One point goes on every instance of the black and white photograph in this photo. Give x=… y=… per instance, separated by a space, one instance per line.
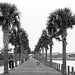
x=37 y=37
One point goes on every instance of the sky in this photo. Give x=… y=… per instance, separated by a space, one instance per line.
x=34 y=15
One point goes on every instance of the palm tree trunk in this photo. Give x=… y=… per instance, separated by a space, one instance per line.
x=51 y=43
x=15 y=52
x=46 y=56
x=42 y=53
x=21 y=54
x=19 y=58
x=51 y=55
x=64 y=54
x=39 y=55
x=5 y=41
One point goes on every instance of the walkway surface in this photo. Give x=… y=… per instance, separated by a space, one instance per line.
x=31 y=68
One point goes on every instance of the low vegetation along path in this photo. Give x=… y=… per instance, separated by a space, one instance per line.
x=31 y=68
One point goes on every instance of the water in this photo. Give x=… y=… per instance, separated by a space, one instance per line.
x=1 y=69
x=68 y=62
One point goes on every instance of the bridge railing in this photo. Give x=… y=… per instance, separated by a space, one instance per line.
x=58 y=67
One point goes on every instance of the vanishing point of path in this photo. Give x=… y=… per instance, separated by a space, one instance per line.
x=31 y=68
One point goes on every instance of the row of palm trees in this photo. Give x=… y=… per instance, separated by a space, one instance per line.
x=12 y=33
x=58 y=23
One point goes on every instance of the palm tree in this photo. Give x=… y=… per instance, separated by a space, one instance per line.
x=23 y=41
x=62 y=20
x=68 y=20
x=14 y=40
x=40 y=44
x=19 y=39
x=45 y=41
x=37 y=49
x=9 y=16
x=51 y=31
x=27 y=49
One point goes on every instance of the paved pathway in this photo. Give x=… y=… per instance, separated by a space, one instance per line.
x=31 y=68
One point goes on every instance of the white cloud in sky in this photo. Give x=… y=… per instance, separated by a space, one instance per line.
x=34 y=15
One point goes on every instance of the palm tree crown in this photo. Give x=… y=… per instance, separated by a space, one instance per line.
x=9 y=15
